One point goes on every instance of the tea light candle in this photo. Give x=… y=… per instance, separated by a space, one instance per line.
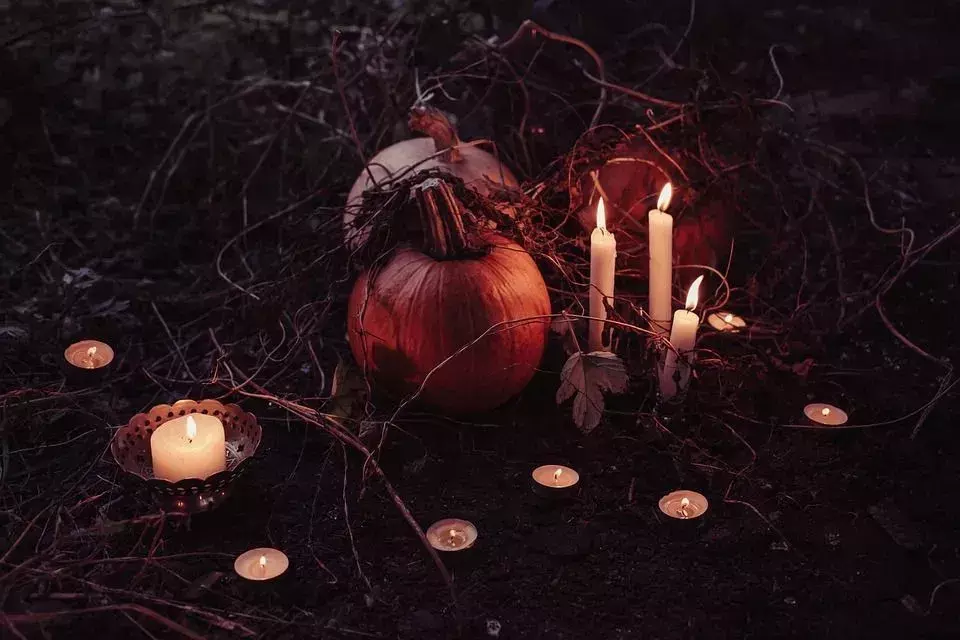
x=683 y=338
x=725 y=321
x=603 y=268
x=684 y=505
x=660 y=239
x=192 y=446
x=261 y=564
x=554 y=480
x=825 y=414
x=452 y=534
x=89 y=354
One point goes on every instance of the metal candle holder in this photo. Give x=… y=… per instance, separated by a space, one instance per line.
x=131 y=450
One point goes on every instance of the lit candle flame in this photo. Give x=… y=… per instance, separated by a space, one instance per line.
x=92 y=351
x=557 y=474
x=665 y=194
x=825 y=411
x=453 y=537
x=191 y=428
x=601 y=216
x=263 y=562
x=684 y=504
x=693 y=295
x=728 y=318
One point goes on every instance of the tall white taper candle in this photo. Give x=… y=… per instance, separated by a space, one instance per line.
x=660 y=239
x=603 y=267
x=683 y=338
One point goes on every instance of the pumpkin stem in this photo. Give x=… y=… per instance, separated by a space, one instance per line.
x=441 y=215
x=432 y=122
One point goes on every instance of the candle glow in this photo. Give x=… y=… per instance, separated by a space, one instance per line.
x=89 y=354
x=726 y=321
x=684 y=505
x=603 y=267
x=660 y=240
x=825 y=414
x=693 y=295
x=261 y=564
x=683 y=338
x=665 y=196
x=193 y=446
x=451 y=534
x=557 y=474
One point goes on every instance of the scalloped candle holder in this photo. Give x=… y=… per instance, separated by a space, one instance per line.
x=131 y=450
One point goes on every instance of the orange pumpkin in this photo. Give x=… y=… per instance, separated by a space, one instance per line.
x=481 y=303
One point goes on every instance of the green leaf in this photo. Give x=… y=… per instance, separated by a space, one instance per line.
x=585 y=378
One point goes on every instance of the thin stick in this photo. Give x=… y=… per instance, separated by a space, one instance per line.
x=150 y=613
x=529 y=26
x=335 y=63
x=176 y=346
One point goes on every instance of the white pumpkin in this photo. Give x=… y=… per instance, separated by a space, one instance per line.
x=479 y=169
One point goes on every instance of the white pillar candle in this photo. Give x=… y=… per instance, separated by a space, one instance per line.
x=683 y=338
x=603 y=267
x=660 y=239
x=193 y=446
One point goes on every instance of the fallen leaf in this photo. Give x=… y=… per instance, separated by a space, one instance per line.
x=348 y=394
x=585 y=378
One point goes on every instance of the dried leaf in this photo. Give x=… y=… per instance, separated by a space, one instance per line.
x=349 y=392
x=585 y=378
x=564 y=327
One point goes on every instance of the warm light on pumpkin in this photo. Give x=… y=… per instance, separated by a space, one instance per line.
x=601 y=216
x=665 y=195
x=467 y=326
x=693 y=295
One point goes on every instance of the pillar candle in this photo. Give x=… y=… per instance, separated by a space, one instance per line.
x=603 y=258
x=189 y=447
x=660 y=238
x=683 y=338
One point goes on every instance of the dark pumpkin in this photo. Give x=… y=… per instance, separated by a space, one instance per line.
x=420 y=308
x=631 y=180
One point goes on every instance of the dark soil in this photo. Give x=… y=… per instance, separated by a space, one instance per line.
x=146 y=146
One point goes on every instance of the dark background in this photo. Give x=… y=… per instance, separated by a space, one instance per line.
x=135 y=143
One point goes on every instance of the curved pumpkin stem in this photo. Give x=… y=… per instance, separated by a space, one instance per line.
x=432 y=122
x=441 y=215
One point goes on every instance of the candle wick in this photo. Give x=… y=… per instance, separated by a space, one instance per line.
x=191 y=429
